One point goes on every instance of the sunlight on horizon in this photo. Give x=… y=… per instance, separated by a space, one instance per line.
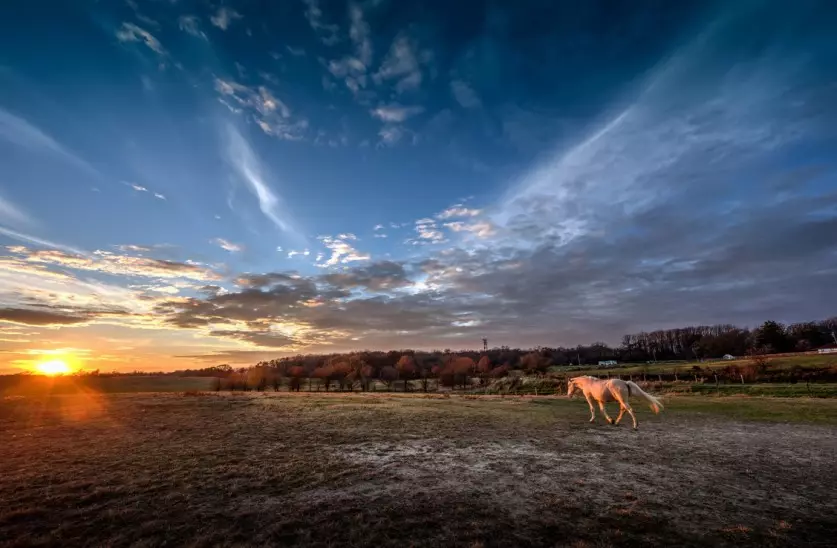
x=54 y=367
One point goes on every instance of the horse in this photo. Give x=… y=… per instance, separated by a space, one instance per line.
x=604 y=391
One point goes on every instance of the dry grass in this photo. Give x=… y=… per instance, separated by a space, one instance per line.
x=393 y=470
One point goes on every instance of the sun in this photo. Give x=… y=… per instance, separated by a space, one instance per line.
x=53 y=367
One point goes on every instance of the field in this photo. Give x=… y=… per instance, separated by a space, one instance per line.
x=351 y=470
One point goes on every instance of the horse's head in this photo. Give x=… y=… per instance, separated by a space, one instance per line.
x=571 y=388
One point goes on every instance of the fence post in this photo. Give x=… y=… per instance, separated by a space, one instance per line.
x=717 y=385
x=742 y=378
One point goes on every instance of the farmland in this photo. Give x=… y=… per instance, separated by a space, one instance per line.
x=356 y=469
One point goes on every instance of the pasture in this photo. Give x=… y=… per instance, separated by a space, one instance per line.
x=426 y=470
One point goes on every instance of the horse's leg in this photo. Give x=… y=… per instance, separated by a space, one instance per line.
x=622 y=405
x=590 y=403
x=604 y=412
x=631 y=413
x=621 y=412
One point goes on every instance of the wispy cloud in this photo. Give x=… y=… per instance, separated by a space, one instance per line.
x=390 y=135
x=298 y=253
x=402 y=64
x=224 y=17
x=359 y=34
x=130 y=32
x=328 y=32
x=465 y=94
x=428 y=232
x=27 y=238
x=159 y=196
x=113 y=263
x=379 y=227
x=246 y=165
x=458 y=211
x=14 y=216
x=138 y=188
x=395 y=112
x=270 y=113
x=341 y=250
x=296 y=52
x=190 y=24
x=22 y=133
x=227 y=245
x=482 y=229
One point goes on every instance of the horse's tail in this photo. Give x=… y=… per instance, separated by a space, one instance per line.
x=633 y=388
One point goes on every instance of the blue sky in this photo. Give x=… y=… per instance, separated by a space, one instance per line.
x=224 y=181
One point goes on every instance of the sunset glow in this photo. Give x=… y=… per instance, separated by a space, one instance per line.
x=54 y=367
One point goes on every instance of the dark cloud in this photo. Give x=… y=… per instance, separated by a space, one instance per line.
x=258 y=338
x=39 y=317
x=381 y=276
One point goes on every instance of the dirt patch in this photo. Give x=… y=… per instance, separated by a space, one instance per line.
x=320 y=471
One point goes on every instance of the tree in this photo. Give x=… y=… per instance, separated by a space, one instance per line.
x=772 y=337
x=388 y=375
x=534 y=362
x=325 y=374
x=462 y=367
x=484 y=368
x=406 y=368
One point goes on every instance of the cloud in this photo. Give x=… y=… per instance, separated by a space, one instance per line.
x=381 y=276
x=457 y=212
x=341 y=251
x=379 y=227
x=296 y=52
x=401 y=64
x=328 y=32
x=482 y=229
x=224 y=17
x=395 y=112
x=137 y=187
x=271 y=114
x=14 y=216
x=464 y=94
x=129 y=32
x=359 y=34
x=21 y=237
x=266 y=339
x=390 y=135
x=241 y=158
x=190 y=25
x=24 y=316
x=295 y=253
x=22 y=133
x=115 y=264
x=159 y=196
x=427 y=232
x=226 y=245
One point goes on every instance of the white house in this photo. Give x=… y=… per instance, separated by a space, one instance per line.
x=607 y=362
x=828 y=349
x=729 y=357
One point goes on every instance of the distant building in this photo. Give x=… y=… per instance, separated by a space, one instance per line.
x=828 y=349
x=729 y=357
x=607 y=362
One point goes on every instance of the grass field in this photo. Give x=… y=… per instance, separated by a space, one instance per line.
x=36 y=385
x=809 y=361
x=351 y=470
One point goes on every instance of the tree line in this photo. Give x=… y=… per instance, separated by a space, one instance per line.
x=403 y=369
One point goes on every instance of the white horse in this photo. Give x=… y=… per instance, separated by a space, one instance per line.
x=604 y=391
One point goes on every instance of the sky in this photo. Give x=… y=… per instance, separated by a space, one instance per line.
x=184 y=184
